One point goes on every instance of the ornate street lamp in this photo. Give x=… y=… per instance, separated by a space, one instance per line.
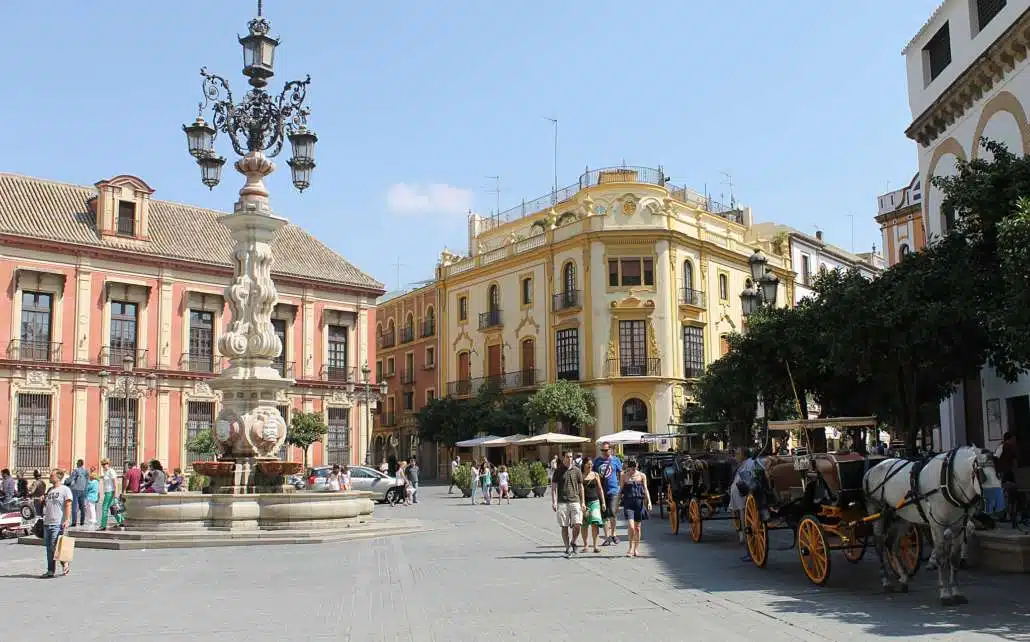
x=763 y=286
x=370 y=398
x=770 y=286
x=249 y=425
x=750 y=299
x=129 y=385
x=757 y=263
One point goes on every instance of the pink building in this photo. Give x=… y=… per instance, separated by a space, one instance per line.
x=113 y=308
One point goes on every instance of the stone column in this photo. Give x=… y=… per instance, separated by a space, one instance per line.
x=249 y=425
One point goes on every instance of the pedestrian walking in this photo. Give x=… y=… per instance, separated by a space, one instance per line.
x=333 y=483
x=37 y=491
x=92 y=497
x=9 y=487
x=593 y=495
x=57 y=515
x=486 y=479
x=412 y=471
x=502 y=483
x=400 y=494
x=455 y=464
x=78 y=481
x=345 y=477
x=636 y=503
x=109 y=482
x=609 y=469
x=473 y=479
x=568 y=501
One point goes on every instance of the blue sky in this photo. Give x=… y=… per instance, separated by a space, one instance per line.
x=802 y=103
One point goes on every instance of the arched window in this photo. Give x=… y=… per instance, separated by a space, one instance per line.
x=568 y=277
x=688 y=275
x=429 y=323
x=634 y=415
x=495 y=298
x=724 y=287
x=903 y=251
x=409 y=328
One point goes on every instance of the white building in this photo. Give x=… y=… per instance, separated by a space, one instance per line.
x=967 y=79
x=809 y=255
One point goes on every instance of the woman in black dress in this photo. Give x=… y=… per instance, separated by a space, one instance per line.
x=635 y=501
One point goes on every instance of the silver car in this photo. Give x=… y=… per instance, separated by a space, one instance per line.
x=361 y=478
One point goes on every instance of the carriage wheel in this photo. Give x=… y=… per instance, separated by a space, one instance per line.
x=674 y=515
x=694 y=516
x=813 y=551
x=756 y=535
x=906 y=551
x=854 y=544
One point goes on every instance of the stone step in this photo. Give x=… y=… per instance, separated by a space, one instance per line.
x=139 y=540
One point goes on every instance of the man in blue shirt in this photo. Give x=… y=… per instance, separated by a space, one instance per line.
x=609 y=468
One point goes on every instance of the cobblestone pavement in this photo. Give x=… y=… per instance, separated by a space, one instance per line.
x=493 y=572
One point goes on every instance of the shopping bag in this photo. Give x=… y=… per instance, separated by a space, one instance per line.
x=65 y=550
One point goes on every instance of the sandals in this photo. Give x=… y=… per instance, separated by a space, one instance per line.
x=66 y=569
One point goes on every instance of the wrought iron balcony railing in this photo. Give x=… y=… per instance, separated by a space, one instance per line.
x=286 y=369
x=200 y=362
x=408 y=376
x=569 y=375
x=386 y=340
x=114 y=357
x=692 y=372
x=568 y=299
x=635 y=367
x=508 y=381
x=689 y=296
x=407 y=334
x=491 y=319
x=22 y=350
x=342 y=374
x=428 y=327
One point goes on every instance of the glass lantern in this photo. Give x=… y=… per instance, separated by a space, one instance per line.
x=303 y=162
x=258 y=53
x=749 y=301
x=757 y=263
x=200 y=137
x=211 y=169
x=770 y=285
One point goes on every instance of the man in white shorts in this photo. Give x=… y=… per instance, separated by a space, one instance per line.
x=567 y=501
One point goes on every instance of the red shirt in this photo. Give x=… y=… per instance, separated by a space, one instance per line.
x=133 y=477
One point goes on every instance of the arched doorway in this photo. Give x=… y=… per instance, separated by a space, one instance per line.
x=634 y=417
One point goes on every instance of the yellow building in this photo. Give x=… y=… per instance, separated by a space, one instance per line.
x=626 y=284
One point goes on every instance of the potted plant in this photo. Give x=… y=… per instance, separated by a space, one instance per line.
x=462 y=478
x=538 y=478
x=521 y=482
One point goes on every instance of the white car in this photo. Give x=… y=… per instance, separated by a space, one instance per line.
x=361 y=478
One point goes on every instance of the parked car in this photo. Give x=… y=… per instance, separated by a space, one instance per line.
x=361 y=478
x=297 y=481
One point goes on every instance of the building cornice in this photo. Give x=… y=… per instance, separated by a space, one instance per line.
x=990 y=68
x=75 y=251
x=908 y=210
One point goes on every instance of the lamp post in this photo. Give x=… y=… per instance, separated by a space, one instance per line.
x=249 y=425
x=130 y=385
x=369 y=397
x=760 y=291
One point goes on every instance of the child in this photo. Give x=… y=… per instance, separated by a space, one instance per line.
x=345 y=478
x=409 y=492
x=502 y=477
x=92 y=497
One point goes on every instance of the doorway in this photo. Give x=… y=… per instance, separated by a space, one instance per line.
x=634 y=417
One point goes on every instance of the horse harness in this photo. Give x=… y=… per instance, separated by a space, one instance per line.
x=944 y=487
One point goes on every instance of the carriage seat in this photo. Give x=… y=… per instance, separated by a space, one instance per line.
x=843 y=472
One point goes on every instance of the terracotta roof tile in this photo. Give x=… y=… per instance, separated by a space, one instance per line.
x=39 y=208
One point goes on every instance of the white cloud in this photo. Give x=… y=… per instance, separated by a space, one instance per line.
x=435 y=198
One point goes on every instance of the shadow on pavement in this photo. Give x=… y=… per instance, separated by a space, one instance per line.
x=997 y=601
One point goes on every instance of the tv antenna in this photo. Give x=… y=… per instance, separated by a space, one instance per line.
x=554 y=193
x=728 y=181
x=496 y=189
x=398 y=265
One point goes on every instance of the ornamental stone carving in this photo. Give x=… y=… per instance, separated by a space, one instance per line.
x=259 y=432
x=37 y=379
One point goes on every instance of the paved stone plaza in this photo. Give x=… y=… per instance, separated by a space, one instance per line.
x=485 y=572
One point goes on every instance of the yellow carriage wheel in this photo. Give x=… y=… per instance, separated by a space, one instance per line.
x=854 y=544
x=906 y=553
x=674 y=514
x=813 y=551
x=694 y=516
x=756 y=534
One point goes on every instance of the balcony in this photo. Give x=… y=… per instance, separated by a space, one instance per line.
x=636 y=367
x=199 y=362
x=388 y=419
x=428 y=328
x=569 y=375
x=21 y=350
x=339 y=374
x=692 y=297
x=693 y=372
x=491 y=319
x=407 y=334
x=386 y=340
x=114 y=357
x=567 y=300
x=286 y=369
x=408 y=376
x=508 y=381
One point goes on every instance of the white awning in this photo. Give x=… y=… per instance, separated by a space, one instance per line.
x=478 y=441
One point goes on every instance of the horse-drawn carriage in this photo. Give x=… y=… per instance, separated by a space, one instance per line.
x=819 y=497
x=698 y=487
x=655 y=465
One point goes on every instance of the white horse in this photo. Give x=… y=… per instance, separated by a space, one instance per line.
x=943 y=494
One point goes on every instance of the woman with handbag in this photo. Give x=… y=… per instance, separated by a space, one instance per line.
x=636 y=503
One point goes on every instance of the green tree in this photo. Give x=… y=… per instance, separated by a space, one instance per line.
x=563 y=401
x=203 y=444
x=727 y=393
x=306 y=428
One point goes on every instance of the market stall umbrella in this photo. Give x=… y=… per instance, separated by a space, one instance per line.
x=478 y=441
x=500 y=442
x=553 y=438
x=623 y=437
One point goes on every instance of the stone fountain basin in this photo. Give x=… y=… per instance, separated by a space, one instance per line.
x=251 y=512
x=284 y=468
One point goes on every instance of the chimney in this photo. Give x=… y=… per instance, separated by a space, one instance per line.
x=819 y=235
